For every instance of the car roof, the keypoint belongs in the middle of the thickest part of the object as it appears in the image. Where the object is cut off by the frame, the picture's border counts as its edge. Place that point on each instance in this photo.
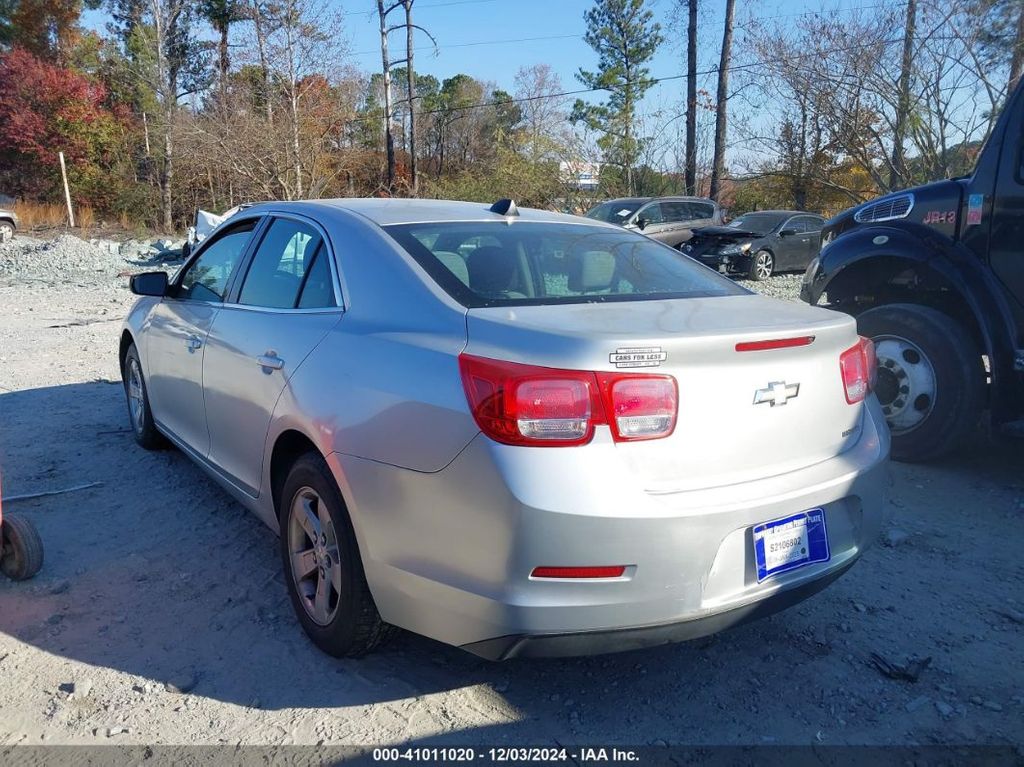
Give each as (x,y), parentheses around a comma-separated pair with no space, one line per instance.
(784,213)
(389,211)
(670,198)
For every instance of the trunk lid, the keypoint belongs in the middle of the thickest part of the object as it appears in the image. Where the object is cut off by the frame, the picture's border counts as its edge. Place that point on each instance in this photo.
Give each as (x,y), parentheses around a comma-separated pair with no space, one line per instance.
(721,435)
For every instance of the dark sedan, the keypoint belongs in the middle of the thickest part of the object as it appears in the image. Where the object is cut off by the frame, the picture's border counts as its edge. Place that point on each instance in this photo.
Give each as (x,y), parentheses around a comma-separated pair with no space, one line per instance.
(756,245)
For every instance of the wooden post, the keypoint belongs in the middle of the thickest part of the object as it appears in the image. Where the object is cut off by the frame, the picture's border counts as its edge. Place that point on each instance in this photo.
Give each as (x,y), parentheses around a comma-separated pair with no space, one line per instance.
(67,191)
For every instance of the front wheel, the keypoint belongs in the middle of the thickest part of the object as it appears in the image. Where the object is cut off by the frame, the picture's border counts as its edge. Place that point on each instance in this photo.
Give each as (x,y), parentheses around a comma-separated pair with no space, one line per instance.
(323,568)
(762,266)
(931,382)
(6,231)
(139,412)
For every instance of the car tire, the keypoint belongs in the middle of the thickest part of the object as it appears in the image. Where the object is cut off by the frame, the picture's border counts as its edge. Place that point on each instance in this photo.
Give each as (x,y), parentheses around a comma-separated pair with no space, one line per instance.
(326,582)
(762,266)
(140,415)
(6,231)
(22,554)
(931,380)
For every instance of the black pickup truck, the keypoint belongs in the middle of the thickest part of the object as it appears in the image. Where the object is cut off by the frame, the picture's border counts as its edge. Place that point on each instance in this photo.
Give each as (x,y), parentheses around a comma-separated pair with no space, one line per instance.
(935,275)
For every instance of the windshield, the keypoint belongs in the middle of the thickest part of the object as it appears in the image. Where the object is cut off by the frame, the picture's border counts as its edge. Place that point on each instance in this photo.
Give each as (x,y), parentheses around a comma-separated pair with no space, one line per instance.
(614,212)
(758,223)
(528,263)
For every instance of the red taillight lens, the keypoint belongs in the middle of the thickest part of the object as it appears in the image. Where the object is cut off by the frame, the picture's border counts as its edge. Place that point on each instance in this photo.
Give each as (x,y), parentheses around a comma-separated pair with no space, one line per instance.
(858,366)
(520,404)
(774,343)
(614,571)
(642,407)
(529,405)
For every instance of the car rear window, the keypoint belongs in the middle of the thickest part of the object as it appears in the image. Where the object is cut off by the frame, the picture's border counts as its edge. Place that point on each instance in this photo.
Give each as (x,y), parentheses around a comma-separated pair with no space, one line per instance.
(528,263)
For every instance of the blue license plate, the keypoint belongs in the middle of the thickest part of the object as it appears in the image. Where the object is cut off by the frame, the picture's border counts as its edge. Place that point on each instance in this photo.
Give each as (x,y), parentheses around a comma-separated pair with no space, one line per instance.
(791,542)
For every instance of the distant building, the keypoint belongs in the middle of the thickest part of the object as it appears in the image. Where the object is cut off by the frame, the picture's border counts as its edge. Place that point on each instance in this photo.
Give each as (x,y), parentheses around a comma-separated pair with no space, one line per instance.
(585,176)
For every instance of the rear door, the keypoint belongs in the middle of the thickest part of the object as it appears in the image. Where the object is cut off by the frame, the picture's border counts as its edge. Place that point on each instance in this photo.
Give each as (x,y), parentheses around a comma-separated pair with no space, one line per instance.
(283,306)
(177,334)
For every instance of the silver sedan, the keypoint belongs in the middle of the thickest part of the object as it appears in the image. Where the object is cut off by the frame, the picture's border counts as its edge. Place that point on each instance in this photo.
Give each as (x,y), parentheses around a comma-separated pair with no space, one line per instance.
(513,431)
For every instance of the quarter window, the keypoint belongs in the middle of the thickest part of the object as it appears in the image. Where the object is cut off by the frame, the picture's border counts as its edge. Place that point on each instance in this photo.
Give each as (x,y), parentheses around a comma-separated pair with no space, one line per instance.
(206,279)
(289,257)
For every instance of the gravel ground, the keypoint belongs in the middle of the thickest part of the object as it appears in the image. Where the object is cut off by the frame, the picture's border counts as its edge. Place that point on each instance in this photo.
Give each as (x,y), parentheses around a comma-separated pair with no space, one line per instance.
(161,614)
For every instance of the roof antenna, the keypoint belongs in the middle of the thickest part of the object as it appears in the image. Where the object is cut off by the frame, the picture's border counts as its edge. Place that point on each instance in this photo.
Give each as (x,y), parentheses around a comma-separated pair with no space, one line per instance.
(505,207)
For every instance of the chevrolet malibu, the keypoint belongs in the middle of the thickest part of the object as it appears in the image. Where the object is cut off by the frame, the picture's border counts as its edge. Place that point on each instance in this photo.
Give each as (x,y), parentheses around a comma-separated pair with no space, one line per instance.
(517,432)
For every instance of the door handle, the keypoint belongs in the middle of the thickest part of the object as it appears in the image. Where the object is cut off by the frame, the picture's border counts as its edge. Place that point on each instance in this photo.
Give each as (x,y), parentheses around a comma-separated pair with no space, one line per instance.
(270,361)
(194,343)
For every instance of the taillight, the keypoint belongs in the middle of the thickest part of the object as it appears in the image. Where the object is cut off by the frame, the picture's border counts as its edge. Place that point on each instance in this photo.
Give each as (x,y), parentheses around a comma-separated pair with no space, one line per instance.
(858,366)
(611,571)
(642,407)
(520,404)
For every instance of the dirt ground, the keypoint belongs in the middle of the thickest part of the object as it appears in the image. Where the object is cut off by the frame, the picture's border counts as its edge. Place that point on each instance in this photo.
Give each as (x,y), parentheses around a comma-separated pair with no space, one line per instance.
(161,615)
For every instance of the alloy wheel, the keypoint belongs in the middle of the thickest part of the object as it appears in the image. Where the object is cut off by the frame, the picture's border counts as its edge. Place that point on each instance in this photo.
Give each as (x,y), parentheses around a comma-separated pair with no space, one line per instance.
(314,555)
(763,265)
(136,396)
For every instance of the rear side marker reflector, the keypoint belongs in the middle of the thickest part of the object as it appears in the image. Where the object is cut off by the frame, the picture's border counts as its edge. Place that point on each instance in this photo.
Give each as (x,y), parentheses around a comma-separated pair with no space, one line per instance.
(615,571)
(774,343)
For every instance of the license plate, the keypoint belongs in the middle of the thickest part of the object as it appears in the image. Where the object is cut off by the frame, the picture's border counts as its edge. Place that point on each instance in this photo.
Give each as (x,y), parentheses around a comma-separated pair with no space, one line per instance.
(791,542)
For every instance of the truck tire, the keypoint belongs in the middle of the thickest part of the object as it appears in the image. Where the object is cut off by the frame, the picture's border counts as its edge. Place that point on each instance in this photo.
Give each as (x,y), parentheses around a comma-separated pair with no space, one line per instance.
(22,553)
(931,381)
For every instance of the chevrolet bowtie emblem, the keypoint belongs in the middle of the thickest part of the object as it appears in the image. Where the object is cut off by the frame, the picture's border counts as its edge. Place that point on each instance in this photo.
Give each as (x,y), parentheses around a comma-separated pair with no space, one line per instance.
(776,393)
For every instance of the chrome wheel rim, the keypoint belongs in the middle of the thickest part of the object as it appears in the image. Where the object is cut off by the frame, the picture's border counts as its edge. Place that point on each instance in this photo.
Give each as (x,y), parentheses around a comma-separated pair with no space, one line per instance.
(763,265)
(314,556)
(906,385)
(136,398)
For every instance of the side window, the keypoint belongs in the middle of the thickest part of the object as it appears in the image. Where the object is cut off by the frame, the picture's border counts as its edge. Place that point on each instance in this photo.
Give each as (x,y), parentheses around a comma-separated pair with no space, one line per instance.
(207,277)
(318,290)
(675,211)
(796,224)
(279,268)
(701,210)
(652,214)
(812,224)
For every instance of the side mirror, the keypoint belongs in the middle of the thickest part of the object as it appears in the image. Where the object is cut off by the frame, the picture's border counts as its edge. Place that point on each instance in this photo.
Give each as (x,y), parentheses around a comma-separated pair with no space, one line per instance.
(787,232)
(149,284)
(641,223)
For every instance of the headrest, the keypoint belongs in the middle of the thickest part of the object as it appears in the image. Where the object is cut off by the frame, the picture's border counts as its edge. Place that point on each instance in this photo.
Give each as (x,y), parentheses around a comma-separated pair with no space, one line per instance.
(591,270)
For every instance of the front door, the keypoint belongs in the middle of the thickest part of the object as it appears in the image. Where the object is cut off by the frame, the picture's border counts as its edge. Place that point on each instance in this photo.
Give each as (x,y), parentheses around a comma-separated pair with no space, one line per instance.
(284,306)
(177,335)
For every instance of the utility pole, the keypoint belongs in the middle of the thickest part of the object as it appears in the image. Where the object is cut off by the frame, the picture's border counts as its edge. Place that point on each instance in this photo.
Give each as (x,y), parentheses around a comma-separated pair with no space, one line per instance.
(898,166)
(691,99)
(389,139)
(722,107)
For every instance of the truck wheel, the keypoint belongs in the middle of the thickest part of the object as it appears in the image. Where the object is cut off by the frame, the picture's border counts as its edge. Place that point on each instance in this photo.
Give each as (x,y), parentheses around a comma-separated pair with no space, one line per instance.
(22,553)
(322,564)
(931,382)
(762,265)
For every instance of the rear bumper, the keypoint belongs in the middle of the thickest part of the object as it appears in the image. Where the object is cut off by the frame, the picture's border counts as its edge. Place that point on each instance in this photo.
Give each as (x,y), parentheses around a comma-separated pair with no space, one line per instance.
(449,554)
(640,637)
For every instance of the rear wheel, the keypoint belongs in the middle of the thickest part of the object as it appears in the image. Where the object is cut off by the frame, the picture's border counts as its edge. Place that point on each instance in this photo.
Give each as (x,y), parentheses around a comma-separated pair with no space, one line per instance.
(6,231)
(762,266)
(931,382)
(22,554)
(323,568)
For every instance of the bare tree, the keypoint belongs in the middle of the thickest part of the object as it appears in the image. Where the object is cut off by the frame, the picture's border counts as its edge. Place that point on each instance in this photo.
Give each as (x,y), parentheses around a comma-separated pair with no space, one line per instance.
(389,138)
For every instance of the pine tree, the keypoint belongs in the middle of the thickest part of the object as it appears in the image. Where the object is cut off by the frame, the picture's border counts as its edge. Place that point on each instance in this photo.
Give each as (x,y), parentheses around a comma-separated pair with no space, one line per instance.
(625,37)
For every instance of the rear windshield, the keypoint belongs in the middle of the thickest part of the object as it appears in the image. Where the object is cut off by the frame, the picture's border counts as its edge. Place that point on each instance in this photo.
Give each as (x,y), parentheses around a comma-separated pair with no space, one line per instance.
(614,212)
(527,263)
(758,223)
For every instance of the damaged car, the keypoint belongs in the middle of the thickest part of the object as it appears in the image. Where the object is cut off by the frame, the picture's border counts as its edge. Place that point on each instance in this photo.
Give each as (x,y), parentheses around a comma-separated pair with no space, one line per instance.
(760,244)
